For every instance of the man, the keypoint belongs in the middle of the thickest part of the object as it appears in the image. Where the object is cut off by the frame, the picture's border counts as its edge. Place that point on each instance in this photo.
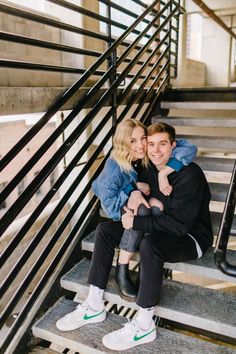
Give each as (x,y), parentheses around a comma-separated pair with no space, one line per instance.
(181,232)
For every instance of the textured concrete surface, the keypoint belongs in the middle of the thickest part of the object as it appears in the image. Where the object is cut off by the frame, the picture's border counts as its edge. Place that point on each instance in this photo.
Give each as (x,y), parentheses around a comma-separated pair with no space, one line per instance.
(189,304)
(41,350)
(215,164)
(216,219)
(88,339)
(195,122)
(198,105)
(38,99)
(214,143)
(204,266)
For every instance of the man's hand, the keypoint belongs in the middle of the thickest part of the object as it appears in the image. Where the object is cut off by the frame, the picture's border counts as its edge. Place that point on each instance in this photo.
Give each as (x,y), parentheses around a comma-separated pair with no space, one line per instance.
(127,219)
(144,188)
(163,182)
(135,200)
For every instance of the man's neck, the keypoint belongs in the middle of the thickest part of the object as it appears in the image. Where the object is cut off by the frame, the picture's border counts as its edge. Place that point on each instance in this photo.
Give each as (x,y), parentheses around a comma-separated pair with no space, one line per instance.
(159,167)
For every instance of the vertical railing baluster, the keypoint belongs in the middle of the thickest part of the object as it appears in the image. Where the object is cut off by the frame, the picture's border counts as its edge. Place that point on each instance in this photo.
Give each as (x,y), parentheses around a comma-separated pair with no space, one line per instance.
(177,44)
(112,63)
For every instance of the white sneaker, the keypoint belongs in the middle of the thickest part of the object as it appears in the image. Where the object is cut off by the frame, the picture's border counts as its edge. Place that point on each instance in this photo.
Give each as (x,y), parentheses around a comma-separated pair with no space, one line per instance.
(81,316)
(129,336)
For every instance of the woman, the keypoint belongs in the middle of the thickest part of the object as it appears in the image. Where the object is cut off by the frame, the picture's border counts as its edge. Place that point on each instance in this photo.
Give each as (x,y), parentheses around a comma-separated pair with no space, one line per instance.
(113,186)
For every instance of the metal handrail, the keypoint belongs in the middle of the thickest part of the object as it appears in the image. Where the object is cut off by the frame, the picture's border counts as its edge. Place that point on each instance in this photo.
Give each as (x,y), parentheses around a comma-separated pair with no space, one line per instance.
(220,252)
(6,36)
(69,93)
(8,218)
(29,15)
(152,83)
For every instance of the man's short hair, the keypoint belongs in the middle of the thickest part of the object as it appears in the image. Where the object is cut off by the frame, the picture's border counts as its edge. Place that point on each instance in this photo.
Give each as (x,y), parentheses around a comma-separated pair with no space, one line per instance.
(162,128)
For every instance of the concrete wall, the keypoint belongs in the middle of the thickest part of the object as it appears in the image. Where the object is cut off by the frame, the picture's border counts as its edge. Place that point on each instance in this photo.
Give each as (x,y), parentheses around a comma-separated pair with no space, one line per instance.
(11,132)
(191,73)
(15,51)
(69,38)
(216,52)
(21,52)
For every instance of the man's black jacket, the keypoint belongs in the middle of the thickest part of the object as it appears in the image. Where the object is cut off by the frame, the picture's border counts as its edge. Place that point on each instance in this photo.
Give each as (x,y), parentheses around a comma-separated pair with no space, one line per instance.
(186,210)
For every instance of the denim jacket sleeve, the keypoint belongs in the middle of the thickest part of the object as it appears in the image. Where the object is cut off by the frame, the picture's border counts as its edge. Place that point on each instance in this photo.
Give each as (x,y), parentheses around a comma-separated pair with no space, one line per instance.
(182,155)
(109,187)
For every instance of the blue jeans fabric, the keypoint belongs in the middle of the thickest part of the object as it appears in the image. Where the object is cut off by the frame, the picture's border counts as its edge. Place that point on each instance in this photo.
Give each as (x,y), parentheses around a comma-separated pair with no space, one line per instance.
(131,238)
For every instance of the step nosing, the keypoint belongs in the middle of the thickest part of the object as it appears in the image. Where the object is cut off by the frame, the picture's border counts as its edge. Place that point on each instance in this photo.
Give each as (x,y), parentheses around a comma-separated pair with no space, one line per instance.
(198,267)
(88,339)
(176,298)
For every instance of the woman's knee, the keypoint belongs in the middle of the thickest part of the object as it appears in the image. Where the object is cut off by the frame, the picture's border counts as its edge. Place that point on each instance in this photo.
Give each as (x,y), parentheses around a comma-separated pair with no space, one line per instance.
(153,202)
(109,233)
(143,210)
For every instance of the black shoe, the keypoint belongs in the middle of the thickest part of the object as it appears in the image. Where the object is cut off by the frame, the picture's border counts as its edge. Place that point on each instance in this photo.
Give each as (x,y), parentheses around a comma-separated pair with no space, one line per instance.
(126,288)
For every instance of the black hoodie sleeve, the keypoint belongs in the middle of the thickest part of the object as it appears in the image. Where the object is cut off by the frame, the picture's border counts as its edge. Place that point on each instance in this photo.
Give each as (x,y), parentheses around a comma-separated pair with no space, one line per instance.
(184,206)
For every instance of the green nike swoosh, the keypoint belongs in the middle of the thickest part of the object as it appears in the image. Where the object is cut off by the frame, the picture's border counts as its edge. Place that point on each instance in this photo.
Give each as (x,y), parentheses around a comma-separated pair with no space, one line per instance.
(136,338)
(86,317)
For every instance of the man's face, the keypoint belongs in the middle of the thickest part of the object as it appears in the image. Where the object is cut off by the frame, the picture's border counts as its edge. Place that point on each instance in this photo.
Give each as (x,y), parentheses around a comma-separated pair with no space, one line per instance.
(159,149)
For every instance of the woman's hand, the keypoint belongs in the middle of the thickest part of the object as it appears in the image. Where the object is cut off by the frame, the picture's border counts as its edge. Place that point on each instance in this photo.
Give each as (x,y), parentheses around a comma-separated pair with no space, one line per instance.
(144,188)
(127,219)
(163,182)
(135,200)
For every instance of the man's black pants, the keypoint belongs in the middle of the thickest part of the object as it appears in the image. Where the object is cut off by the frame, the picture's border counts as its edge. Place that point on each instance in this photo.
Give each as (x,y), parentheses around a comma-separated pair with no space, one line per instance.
(154,250)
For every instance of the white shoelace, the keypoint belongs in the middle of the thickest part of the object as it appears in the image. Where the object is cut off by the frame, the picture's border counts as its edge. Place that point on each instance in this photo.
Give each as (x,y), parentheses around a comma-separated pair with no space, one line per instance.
(129,328)
(74,314)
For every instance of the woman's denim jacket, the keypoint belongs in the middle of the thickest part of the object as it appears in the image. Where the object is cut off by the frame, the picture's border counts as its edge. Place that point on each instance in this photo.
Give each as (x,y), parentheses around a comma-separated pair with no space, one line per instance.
(113,185)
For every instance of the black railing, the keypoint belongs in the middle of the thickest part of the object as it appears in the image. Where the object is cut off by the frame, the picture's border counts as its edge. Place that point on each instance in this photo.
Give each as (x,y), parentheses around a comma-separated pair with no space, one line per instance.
(220,252)
(137,72)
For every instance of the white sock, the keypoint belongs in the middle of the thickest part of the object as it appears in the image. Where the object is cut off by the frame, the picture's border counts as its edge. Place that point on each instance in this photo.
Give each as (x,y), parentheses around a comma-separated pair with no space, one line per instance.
(144,317)
(95,298)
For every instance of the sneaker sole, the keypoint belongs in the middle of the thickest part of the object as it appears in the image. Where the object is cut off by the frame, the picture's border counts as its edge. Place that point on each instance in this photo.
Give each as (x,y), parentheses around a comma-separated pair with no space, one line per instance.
(98,319)
(126,346)
(129,299)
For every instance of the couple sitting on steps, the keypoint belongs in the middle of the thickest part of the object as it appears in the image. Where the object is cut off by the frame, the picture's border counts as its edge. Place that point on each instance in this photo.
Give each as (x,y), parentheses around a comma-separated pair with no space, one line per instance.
(166,218)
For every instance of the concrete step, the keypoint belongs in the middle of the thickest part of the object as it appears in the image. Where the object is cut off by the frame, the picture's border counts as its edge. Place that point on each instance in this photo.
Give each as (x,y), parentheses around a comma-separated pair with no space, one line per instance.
(211,142)
(197,122)
(191,305)
(215,164)
(216,220)
(88,339)
(39,99)
(218,191)
(204,266)
(206,94)
(198,105)
(42,350)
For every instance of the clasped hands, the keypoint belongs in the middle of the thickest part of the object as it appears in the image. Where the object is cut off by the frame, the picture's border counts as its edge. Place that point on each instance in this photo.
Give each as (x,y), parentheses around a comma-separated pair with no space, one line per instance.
(135,200)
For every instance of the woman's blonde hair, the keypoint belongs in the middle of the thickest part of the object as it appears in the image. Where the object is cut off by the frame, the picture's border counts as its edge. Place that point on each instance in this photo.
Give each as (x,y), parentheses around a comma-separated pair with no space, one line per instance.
(121,143)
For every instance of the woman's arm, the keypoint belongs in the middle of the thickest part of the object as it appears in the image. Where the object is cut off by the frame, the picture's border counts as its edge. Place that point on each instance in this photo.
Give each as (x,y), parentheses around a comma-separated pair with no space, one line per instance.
(108,187)
(183,154)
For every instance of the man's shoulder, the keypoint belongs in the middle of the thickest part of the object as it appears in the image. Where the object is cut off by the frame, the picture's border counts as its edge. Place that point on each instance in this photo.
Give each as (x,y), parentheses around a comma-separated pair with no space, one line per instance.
(192,171)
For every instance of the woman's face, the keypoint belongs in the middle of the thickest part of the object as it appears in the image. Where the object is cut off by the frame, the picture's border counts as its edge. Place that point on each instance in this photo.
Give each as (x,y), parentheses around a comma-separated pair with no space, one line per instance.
(138,143)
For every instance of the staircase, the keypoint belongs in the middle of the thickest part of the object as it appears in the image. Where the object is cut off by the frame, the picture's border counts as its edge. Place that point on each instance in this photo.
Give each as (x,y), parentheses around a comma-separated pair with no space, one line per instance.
(195,308)
(119,78)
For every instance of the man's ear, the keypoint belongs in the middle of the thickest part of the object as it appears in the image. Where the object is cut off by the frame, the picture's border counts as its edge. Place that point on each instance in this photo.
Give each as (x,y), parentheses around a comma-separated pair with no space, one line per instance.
(173,144)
